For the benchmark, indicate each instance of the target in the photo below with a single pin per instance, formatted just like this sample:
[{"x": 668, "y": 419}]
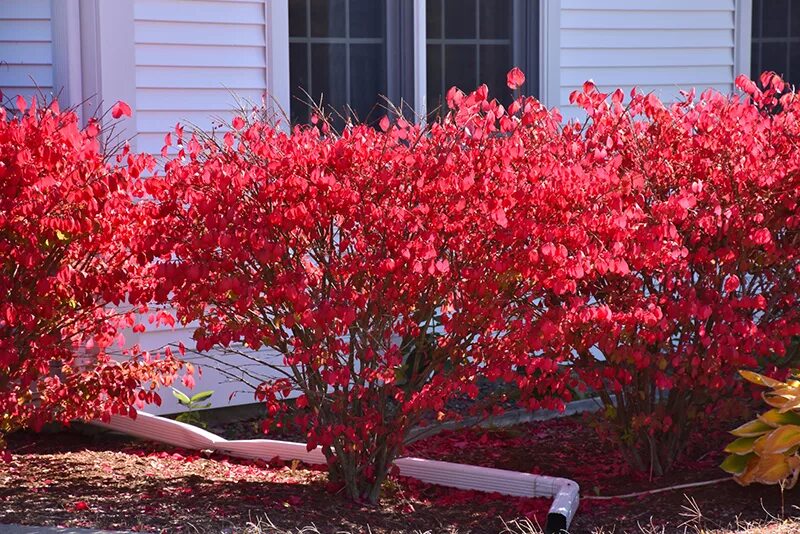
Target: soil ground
[{"x": 106, "y": 481}]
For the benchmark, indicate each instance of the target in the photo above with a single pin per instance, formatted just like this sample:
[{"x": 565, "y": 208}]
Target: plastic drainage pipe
[{"x": 564, "y": 492}]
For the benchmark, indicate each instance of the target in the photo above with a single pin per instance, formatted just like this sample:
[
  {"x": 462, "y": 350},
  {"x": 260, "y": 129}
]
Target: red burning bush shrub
[
  {"x": 380, "y": 264},
  {"x": 66, "y": 218},
  {"x": 702, "y": 211},
  {"x": 644, "y": 255}
]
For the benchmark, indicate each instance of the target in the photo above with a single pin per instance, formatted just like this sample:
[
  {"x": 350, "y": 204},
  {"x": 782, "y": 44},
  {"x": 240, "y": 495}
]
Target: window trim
[
  {"x": 743, "y": 37},
  {"x": 411, "y": 39}
]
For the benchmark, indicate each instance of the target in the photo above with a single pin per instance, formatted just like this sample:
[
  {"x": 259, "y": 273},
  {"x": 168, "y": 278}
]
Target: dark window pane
[
  {"x": 433, "y": 19},
  {"x": 773, "y": 57},
  {"x": 366, "y": 18},
  {"x": 434, "y": 76},
  {"x": 459, "y": 21},
  {"x": 367, "y": 81},
  {"x": 327, "y": 18},
  {"x": 298, "y": 81},
  {"x": 328, "y": 68},
  {"x": 495, "y": 19},
  {"x": 495, "y": 63},
  {"x": 756, "y": 18},
  {"x": 755, "y": 63},
  {"x": 775, "y": 18},
  {"x": 794, "y": 63},
  {"x": 297, "y": 18},
  {"x": 460, "y": 68},
  {"x": 795, "y": 24}
]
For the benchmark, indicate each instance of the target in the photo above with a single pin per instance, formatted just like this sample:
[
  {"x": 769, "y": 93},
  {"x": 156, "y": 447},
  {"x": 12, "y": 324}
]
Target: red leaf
[
  {"x": 120, "y": 109},
  {"x": 515, "y": 78}
]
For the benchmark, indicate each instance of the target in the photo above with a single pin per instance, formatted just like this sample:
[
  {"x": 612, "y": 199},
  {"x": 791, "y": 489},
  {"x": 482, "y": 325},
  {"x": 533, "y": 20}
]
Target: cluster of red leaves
[
  {"x": 66, "y": 217},
  {"x": 700, "y": 206},
  {"x": 371, "y": 260},
  {"x": 644, "y": 254}
]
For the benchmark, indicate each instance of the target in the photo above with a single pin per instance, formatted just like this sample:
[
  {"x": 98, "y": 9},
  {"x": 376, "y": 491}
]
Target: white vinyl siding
[
  {"x": 26, "y": 49},
  {"x": 659, "y": 45},
  {"x": 194, "y": 59}
]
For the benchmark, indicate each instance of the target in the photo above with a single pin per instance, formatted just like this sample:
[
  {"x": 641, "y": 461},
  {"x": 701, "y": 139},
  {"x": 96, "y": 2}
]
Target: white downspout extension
[{"x": 564, "y": 492}]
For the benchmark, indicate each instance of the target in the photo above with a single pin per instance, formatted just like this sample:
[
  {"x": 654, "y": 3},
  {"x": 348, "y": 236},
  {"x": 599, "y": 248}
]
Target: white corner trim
[
  {"x": 109, "y": 61},
  {"x": 276, "y": 26},
  {"x": 420, "y": 61},
  {"x": 742, "y": 37},
  {"x": 550, "y": 52},
  {"x": 66, "y": 27}
]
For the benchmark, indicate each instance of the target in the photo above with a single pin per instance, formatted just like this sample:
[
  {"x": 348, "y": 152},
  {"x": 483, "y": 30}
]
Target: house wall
[
  {"x": 658, "y": 45},
  {"x": 26, "y": 48},
  {"x": 184, "y": 60},
  {"x": 193, "y": 61}
]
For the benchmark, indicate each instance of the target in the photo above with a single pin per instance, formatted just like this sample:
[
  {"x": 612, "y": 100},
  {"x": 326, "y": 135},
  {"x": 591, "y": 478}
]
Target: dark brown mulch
[
  {"x": 107, "y": 482},
  {"x": 569, "y": 447},
  {"x": 73, "y": 480}
]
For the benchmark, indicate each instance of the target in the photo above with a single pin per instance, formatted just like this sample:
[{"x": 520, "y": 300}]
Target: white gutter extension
[{"x": 564, "y": 492}]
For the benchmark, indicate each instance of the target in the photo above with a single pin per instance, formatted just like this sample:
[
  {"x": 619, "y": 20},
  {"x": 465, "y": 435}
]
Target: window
[
  {"x": 470, "y": 42},
  {"x": 350, "y": 54},
  {"x": 337, "y": 51},
  {"x": 776, "y": 38}
]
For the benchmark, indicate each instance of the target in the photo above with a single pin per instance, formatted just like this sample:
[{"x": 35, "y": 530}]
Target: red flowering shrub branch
[
  {"x": 644, "y": 255},
  {"x": 703, "y": 208},
  {"x": 377, "y": 262},
  {"x": 66, "y": 219}
]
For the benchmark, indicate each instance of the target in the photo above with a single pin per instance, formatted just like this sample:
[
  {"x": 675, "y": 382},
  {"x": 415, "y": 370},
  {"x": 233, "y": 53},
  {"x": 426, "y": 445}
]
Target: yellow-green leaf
[
  {"x": 752, "y": 428},
  {"x": 791, "y": 404},
  {"x": 736, "y": 463},
  {"x": 772, "y": 469},
  {"x": 760, "y": 380},
  {"x": 779, "y": 440},
  {"x": 741, "y": 446},
  {"x": 775, "y": 402},
  {"x": 775, "y": 418}
]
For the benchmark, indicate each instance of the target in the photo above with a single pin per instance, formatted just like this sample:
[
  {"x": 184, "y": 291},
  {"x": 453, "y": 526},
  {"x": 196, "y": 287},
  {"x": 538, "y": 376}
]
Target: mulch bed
[{"x": 110, "y": 482}]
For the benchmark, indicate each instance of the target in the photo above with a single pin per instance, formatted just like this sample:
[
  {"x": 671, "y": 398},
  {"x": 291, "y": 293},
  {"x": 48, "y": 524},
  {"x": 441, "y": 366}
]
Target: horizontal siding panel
[
  {"x": 633, "y": 39},
  {"x": 655, "y": 20},
  {"x": 25, "y": 9},
  {"x": 27, "y": 53},
  {"x": 653, "y": 5},
  {"x": 196, "y": 100},
  {"x": 199, "y": 33},
  {"x": 200, "y": 77},
  {"x": 646, "y": 57},
  {"x": 199, "y": 11},
  {"x": 162, "y": 122},
  {"x": 152, "y": 143},
  {"x": 26, "y": 75},
  {"x": 678, "y": 76},
  {"x": 199, "y": 56},
  {"x": 26, "y": 30},
  {"x": 667, "y": 92},
  {"x": 11, "y": 92}
]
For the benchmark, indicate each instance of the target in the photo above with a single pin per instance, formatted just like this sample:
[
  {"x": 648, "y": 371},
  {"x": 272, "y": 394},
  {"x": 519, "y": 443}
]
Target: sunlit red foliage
[
  {"x": 66, "y": 219},
  {"x": 693, "y": 260},
  {"x": 377, "y": 262},
  {"x": 646, "y": 253}
]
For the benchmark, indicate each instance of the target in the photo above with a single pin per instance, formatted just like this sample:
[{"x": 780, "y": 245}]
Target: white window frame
[
  {"x": 549, "y": 53},
  {"x": 742, "y": 38},
  {"x": 94, "y": 54}
]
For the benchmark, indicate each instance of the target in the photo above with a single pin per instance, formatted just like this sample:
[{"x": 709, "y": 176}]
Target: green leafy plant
[
  {"x": 766, "y": 449},
  {"x": 192, "y": 404}
]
